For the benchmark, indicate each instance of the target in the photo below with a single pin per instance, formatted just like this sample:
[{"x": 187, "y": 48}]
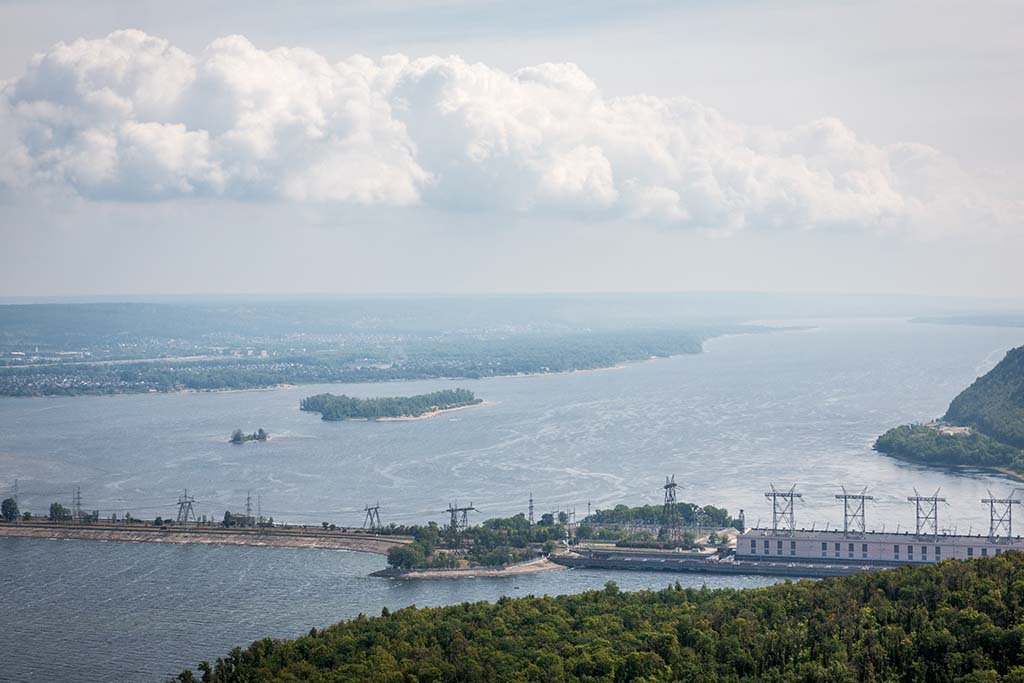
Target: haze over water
[{"x": 792, "y": 407}]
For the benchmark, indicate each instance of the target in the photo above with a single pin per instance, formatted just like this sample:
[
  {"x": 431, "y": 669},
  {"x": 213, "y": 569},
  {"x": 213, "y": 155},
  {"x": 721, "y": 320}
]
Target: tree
[
  {"x": 406, "y": 556},
  {"x": 9, "y": 509},
  {"x": 59, "y": 513},
  {"x": 237, "y": 436}
]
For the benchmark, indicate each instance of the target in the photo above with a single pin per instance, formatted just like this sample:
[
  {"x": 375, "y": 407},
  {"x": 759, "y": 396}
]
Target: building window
[
  {"x": 910, "y": 553},
  {"x": 984, "y": 552},
  {"x": 753, "y": 546},
  {"x": 938, "y": 553},
  {"x": 778, "y": 547},
  {"x": 792, "y": 547},
  {"x": 849, "y": 550},
  {"x": 924, "y": 553},
  {"x": 970, "y": 552},
  {"x": 864, "y": 551},
  {"x": 824, "y": 549},
  {"x": 896, "y": 552},
  {"x": 837, "y": 549},
  {"x": 766, "y": 549},
  {"x": 998, "y": 550}
]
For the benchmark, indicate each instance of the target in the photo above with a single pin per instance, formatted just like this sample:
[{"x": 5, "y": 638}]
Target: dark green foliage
[
  {"x": 238, "y": 436},
  {"x": 928, "y": 445},
  {"x": 59, "y": 513},
  {"x": 689, "y": 513},
  {"x": 343, "y": 407},
  {"x": 953, "y": 622},
  {"x": 9, "y": 509},
  {"x": 994, "y": 403}
]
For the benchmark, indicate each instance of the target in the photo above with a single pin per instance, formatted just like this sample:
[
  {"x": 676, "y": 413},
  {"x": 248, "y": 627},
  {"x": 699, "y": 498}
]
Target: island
[
  {"x": 334, "y": 407},
  {"x": 983, "y": 427},
  {"x": 239, "y": 437}
]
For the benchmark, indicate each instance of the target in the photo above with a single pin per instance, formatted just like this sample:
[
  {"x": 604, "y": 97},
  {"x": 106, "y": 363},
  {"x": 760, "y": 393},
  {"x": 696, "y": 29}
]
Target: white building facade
[{"x": 871, "y": 547}]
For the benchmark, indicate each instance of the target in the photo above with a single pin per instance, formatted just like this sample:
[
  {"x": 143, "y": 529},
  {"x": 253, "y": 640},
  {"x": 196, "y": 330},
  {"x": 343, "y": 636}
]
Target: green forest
[
  {"x": 928, "y": 445},
  {"x": 952, "y": 622},
  {"x": 994, "y": 403},
  {"x": 333, "y": 407},
  {"x": 993, "y": 406}
]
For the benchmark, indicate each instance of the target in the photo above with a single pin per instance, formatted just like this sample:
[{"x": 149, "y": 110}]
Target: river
[{"x": 797, "y": 407}]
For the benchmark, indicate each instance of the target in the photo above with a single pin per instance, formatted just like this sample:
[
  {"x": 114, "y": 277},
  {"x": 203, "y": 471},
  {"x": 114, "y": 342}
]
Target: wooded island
[{"x": 333, "y": 407}]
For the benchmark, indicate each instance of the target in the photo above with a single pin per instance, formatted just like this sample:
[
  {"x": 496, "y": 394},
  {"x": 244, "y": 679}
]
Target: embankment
[{"x": 284, "y": 538}]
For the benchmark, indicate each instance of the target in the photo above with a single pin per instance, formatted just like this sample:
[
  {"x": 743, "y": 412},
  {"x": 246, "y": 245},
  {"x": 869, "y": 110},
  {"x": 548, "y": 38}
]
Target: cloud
[{"x": 131, "y": 117}]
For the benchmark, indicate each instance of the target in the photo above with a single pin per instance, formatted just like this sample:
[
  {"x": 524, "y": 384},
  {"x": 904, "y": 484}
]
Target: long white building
[{"x": 874, "y": 547}]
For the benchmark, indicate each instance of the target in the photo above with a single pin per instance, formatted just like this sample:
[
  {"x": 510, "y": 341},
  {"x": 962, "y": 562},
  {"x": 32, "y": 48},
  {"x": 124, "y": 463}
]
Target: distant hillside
[
  {"x": 994, "y": 404},
  {"x": 992, "y": 407}
]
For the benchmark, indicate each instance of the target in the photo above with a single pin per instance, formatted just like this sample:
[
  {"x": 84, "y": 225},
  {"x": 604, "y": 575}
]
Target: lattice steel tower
[
  {"x": 853, "y": 512},
  {"x": 927, "y": 513},
  {"x": 458, "y": 524},
  {"x": 186, "y": 513},
  {"x": 783, "y": 517},
  {"x": 1000, "y": 518},
  {"x": 670, "y": 510},
  {"x": 371, "y": 521}
]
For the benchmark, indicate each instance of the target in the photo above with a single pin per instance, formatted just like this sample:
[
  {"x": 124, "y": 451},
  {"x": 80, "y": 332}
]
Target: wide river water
[{"x": 799, "y": 407}]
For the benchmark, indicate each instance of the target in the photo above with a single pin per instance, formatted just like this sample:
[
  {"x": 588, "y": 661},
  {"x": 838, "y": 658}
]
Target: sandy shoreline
[
  {"x": 433, "y": 413},
  {"x": 542, "y": 564},
  {"x": 378, "y": 545}
]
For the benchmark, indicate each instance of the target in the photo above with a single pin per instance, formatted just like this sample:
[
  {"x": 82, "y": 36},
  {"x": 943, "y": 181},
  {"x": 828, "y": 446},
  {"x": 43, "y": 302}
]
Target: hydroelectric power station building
[{"x": 853, "y": 544}]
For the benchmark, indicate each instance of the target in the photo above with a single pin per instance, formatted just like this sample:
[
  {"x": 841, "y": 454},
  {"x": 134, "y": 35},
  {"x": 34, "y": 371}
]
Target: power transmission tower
[
  {"x": 248, "y": 509},
  {"x": 670, "y": 510},
  {"x": 76, "y": 505},
  {"x": 927, "y": 513},
  {"x": 372, "y": 521},
  {"x": 783, "y": 517},
  {"x": 853, "y": 512},
  {"x": 530, "y": 517},
  {"x": 1000, "y": 519},
  {"x": 458, "y": 524},
  {"x": 186, "y": 513}
]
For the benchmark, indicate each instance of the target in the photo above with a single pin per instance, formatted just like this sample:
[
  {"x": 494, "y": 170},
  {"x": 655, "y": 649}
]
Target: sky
[{"x": 446, "y": 146}]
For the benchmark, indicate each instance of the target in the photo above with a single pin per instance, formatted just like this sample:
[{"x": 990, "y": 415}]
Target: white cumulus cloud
[{"x": 131, "y": 117}]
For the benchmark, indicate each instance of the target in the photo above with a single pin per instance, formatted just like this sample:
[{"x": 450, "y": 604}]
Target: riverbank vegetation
[
  {"x": 926, "y": 444},
  {"x": 956, "y": 621},
  {"x": 238, "y": 436},
  {"x": 332, "y": 407},
  {"x": 993, "y": 410}
]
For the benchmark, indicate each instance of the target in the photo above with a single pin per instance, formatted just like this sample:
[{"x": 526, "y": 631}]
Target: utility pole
[
  {"x": 530, "y": 517},
  {"x": 259, "y": 511},
  {"x": 853, "y": 512},
  {"x": 783, "y": 518},
  {"x": 927, "y": 513},
  {"x": 1000, "y": 519},
  {"x": 248, "y": 509},
  {"x": 16, "y": 503}
]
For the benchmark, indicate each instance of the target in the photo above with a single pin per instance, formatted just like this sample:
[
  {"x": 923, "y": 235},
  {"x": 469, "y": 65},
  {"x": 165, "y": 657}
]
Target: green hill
[
  {"x": 955, "y": 622},
  {"x": 993, "y": 408},
  {"x": 994, "y": 404}
]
